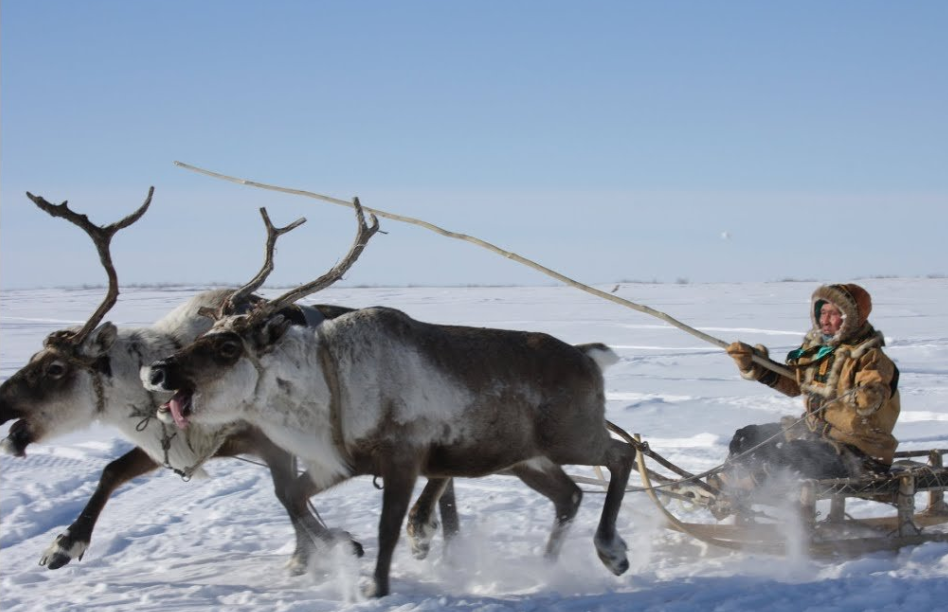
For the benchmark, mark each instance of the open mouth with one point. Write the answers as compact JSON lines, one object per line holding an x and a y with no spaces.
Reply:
{"x":178,"y":408}
{"x":18,"y":438}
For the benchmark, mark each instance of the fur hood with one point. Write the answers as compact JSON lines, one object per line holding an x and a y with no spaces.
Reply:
{"x":853,"y":302}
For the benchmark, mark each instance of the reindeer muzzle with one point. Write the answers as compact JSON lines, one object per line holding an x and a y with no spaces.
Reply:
{"x":163,"y":376}
{"x":17,"y":439}
{"x":157,"y":376}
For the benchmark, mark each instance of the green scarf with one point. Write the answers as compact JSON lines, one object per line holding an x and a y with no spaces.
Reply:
{"x":818,"y":352}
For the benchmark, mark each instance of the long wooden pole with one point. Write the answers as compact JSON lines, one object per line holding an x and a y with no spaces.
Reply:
{"x":770,"y":365}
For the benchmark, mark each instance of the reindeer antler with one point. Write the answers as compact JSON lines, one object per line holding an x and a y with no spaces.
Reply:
{"x":363,"y":234}
{"x":273,"y":233}
{"x":102,"y":237}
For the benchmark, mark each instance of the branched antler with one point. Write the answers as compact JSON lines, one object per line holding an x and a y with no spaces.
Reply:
{"x":363,"y":234}
{"x":273,"y":233}
{"x":102,"y":237}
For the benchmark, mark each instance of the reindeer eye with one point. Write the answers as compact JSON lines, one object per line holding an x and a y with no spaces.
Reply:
{"x":56,"y":369}
{"x":229,"y":349}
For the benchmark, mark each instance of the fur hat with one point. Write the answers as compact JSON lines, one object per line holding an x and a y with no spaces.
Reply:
{"x":853,"y":302}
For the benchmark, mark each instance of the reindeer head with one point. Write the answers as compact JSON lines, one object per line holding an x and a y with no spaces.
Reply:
{"x":222,"y":370}
{"x":61,"y":386}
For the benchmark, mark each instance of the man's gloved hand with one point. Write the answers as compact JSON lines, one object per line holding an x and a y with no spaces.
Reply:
{"x":742,"y":354}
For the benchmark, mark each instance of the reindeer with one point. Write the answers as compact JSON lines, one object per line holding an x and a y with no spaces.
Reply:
{"x":93,"y":373}
{"x":377,"y":392}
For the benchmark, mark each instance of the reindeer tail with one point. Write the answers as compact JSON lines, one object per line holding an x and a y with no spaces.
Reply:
{"x":600,"y":353}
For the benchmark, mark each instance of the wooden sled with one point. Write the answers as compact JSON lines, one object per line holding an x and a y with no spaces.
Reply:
{"x":836,"y":534}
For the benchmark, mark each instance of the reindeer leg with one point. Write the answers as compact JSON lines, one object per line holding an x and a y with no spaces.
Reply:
{"x":447,"y":504}
{"x":302,"y":489}
{"x":422,"y":522}
{"x":72,"y":543}
{"x":399,"y":477}
{"x":552,"y":482}
{"x":611,"y":548}
{"x":293,"y":491}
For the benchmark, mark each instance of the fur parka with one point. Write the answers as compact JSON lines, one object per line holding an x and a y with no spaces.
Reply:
{"x":849,"y":384}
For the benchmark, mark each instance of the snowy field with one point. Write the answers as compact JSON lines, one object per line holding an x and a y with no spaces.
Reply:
{"x":221,"y":543}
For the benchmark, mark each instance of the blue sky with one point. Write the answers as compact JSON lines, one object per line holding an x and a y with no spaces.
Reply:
{"x":607,"y":140}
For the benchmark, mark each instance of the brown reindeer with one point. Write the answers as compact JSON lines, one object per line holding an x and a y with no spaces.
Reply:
{"x":92,"y":373}
{"x":376,"y":392}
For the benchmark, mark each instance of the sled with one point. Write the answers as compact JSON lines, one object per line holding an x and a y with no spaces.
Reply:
{"x":745,"y":527}
{"x":837,"y":533}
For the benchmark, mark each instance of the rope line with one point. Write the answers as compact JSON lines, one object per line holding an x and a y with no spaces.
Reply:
{"x":766,"y":363}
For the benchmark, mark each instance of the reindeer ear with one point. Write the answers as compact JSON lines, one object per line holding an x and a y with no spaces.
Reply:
{"x":100,"y":340}
{"x":272,"y":331}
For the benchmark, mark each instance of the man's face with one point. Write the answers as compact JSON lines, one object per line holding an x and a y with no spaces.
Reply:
{"x":831,"y":319}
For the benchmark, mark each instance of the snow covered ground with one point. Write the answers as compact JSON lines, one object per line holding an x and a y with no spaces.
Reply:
{"x":164,"y":544}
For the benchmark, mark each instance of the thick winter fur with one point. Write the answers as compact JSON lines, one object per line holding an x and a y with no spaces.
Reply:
{"x":62,"y":390}
{"x":374,"y":391}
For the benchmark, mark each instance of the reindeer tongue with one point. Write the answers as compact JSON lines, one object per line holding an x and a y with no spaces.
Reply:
{"x":177,"y":404}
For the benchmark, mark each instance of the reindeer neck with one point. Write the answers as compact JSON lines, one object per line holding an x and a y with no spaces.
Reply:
{"x":292,"y":390}
{"x":123,"y":397}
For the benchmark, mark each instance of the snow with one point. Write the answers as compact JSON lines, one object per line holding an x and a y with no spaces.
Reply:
{"x":166,"y":544}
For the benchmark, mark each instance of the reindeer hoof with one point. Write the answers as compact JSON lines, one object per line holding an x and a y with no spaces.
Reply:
{"x":420,"y":550}
{"x":420,"y":535}
{"x":616,"y":566}
{"x":62,"y":551}
{"x":612,"y":555}
{"x":340,"y":537}
{"x":373,"y":590}
{"x":55,"y":561}
{"x":296,"y":565}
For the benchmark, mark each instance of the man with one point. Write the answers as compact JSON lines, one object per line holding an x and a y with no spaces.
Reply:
{"x":850,"y":390}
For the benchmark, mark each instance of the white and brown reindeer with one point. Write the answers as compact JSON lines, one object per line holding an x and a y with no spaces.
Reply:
{"x":92,"y":373}
{"x":376,"y":392}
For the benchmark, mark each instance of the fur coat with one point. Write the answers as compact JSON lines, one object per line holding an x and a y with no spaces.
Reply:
{"x":850,"y":386}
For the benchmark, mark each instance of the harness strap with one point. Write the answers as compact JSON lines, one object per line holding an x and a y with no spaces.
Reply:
{"x":331,"y":374}
{"x":88,"y":364}
{"x":99,"y":387}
